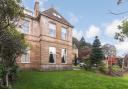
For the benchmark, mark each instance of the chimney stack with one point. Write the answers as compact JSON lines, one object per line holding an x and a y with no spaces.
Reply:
{"x":36,"y":8}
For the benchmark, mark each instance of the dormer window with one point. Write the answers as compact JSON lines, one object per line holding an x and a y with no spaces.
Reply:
{"x":56,"y":15}
{"x":64,"y":33}
{"x":25,"y":26}
{"x":52,"y":30}
{"x":59,"y":16}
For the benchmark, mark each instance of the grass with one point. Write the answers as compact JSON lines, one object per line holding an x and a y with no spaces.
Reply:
{"x":68,"y":80}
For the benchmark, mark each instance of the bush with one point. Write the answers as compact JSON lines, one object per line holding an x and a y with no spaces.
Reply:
{"x":87,"y":64}
{"x":116,"y":68}
{"x":2,"y":71}
{"x":87,"y":61}
{"x":103,"y":68}
{"x":2,"y":75}
{"x":14,"y":69}
{"x":13,"y":73}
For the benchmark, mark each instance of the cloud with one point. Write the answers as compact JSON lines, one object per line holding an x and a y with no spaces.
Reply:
{"x":112,"y":28}
{"x":93,"y":31}
{"x":77,"y":34}
{"x":73,"y":18}
{"x":122,"y":46}
{"x":103,"y":43}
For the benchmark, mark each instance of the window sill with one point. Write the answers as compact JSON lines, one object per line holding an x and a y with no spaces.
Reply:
{"x":26,"y":33}
{"x":52,"y":63}
{"x":63,"y":63}
{"x":25,"y":62}
{"x":65,"y":40}
{"x":56,"y":38}
{"x":52,"y":37}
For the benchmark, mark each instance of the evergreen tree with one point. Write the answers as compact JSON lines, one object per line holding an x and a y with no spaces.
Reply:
{"x":82,"y":43}
{"x":97,"y":55}
{"x":12,"y":42}
{"x":76,"y":42}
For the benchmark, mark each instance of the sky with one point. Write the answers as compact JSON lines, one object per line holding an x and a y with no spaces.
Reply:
{"x":90,"y":18}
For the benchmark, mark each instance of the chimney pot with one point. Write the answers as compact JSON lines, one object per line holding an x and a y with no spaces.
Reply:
{"x":36,"y":8}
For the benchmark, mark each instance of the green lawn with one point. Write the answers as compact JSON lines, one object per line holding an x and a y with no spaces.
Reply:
{"x":68,"y":80}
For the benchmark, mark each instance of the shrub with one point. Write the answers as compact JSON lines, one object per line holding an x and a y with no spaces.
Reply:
{"x":87,"y":61}
{"x":13,"y":72}
{"x":1,"y":71}
{"x":116,"y":68}
{"x":103,"y":68}
{"x":87,"y":64}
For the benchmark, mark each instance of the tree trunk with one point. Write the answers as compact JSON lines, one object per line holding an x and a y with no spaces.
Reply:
{"x":107,"y":63}
{"x":7,"y":81}
{"x":123,"y":64}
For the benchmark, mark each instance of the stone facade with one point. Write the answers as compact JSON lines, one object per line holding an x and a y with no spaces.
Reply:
{"x":40,"y":41}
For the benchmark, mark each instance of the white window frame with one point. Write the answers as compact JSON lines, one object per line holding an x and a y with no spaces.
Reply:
{"x":54,"y":54}
{"x":64,"y":32}
{"x":28,"y":27}
{"x":52,"y":27}
{"x":65,"y":55}
{"x":24,"y":61}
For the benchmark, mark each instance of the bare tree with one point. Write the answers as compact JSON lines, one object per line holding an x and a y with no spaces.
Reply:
{"x":108,"y":50}
{"x":119,"y":13}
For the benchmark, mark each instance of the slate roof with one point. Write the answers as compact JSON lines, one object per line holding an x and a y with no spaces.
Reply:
{"x":53,"y":14}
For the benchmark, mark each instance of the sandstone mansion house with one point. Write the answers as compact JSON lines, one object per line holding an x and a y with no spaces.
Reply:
{"x":50,"y":39}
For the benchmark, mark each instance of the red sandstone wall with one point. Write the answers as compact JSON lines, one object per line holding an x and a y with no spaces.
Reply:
{"x":34,"y":57}
{"x":40,"y":42}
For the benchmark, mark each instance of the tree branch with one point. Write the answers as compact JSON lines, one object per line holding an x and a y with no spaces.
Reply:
{"x":125,"y":12}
